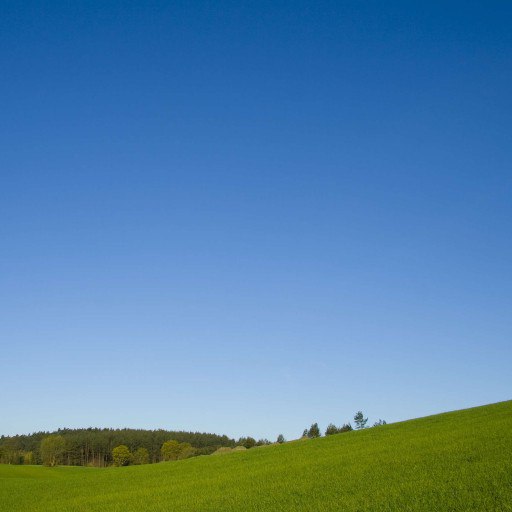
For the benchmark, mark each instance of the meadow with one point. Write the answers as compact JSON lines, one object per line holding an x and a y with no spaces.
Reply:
{"x":457,"y":461}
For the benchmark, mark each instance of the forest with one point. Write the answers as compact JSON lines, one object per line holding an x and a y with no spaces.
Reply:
{"x":94,"y":446}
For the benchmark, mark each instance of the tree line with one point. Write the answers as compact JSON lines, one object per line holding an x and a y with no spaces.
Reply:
{"x":121,"y":447}
{"x":94,"y":446}
{"x":359,"y":420}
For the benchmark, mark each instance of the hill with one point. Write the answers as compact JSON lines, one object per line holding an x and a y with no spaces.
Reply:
{"x":458,"y":461}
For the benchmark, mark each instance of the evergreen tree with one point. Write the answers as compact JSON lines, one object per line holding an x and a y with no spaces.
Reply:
{"x":331,"y":429}
{"x":360,"y":420}
{"x":280,"y":439}
{"x":248,"y":442}
{"x":314,"y":431}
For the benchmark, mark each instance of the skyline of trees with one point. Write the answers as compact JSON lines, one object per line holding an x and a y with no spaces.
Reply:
{"x":93,"y":446}
{"x":104,"y":447}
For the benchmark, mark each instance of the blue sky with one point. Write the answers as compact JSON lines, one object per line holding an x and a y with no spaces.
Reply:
{"x":244,"y":217}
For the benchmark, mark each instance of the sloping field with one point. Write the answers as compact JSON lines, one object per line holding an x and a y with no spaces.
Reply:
{"x":458,"y":461}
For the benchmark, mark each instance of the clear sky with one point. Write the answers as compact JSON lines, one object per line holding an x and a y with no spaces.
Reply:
{"x":244,"y":217}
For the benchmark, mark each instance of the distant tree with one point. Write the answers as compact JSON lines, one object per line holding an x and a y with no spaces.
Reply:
{"x":379,"y":423}
{"x":28,"y":458}
{"x":346,"y":427}
{"x":305,"y":433}
{"x":331,"y":429}
{"x":170,"y":450}
{"x":248,"y":442}
{"x":121,"y":455}
{"x":11,"y":451}
{"x":52,"y":449}
{"x":360,"y":420}
{"x":140,"y":456}
{"x":186,"y":451}
{"x":314,"y":431}
{"x":280,"y":439}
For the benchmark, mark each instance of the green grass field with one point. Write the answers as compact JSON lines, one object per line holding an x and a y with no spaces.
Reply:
{"x":458,"y":461}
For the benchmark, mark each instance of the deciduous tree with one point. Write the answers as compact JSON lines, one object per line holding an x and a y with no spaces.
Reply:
{"x":52,"y":449}
{"x":172,"y":450}
{"x":140,"y":456}
{"x":121,"y":455}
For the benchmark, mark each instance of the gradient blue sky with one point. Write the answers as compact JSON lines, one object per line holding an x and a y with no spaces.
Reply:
{"x":243,"y":217}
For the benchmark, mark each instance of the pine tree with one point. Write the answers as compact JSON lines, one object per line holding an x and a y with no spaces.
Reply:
{"x":331,"y":429}
{"x":314,"y":431}
{"x":360,"y":420}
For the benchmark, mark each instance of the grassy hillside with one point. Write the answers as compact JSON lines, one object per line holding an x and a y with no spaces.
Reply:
{"x":459,"y":461}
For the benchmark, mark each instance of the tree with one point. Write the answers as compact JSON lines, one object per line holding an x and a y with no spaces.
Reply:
{"x":331,"y":429}
{"x":121,"y":455}
{"x":140,"y":456}
{"x":186,"y":451}
{"x":248,"y":442}
{"x":379,"y":423}
{"x":28,"y":457}
{"x":280,"y":439}
{"x":360,"y":420}
{"x":52,"y":449}
{"x":93,"y":446}
{"x":170,"y":450}
{"x":314,"y":431}
{"x":346,"y":427}
{"x":305,"y":433}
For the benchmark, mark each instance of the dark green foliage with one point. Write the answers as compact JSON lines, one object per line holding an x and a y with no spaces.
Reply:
{"x":280,"y":439}
{"x":331,"y":429}
{"x":314,"y":431}
{"x":360,"y":420}
{"x":379,"y":423}
{"x":248,"y":442}
{"x":13,"y":450}
{"x":93,"y":446}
